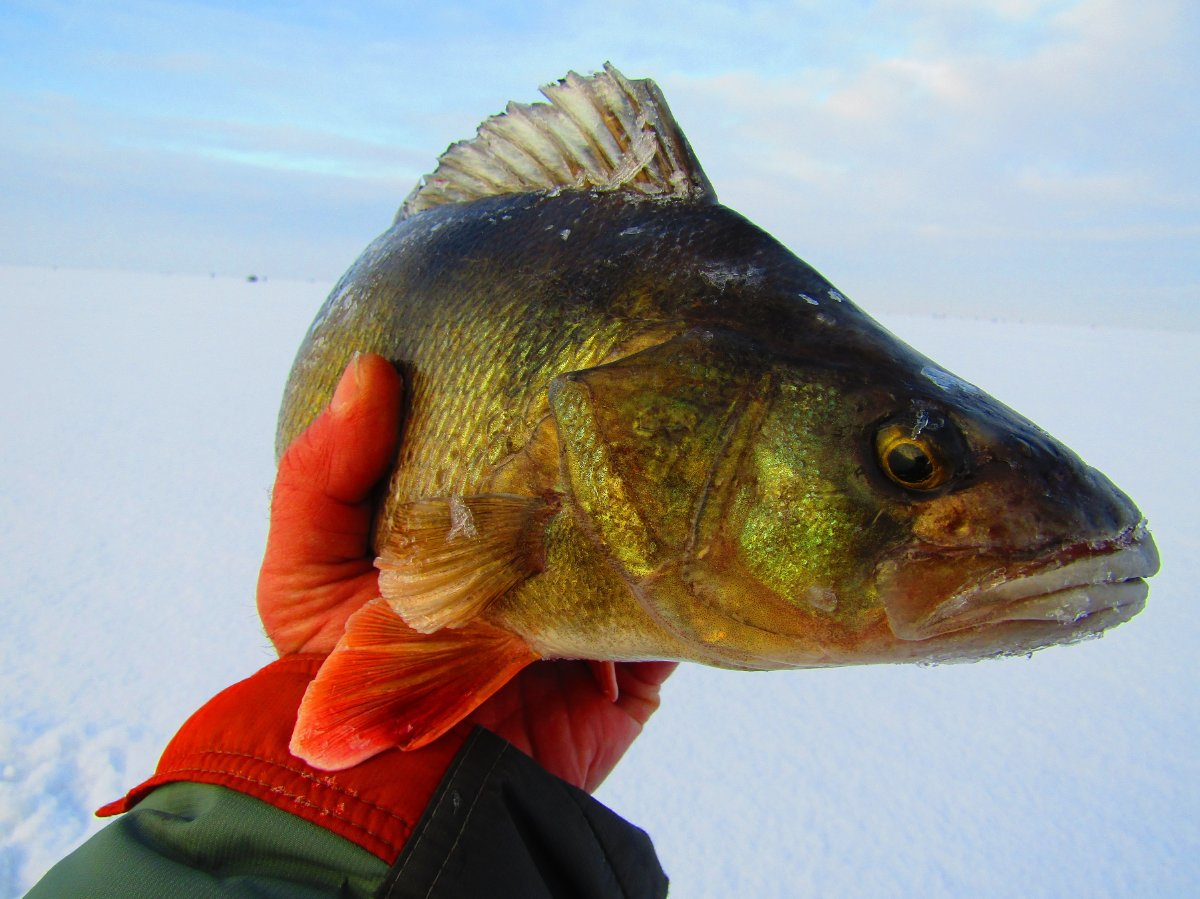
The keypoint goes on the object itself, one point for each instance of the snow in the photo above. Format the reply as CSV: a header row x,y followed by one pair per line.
x,y
137,452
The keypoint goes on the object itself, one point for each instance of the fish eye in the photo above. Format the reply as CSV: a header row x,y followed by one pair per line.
x,y
915,462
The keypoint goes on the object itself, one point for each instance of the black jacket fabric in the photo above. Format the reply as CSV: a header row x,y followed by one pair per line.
x,y
500,826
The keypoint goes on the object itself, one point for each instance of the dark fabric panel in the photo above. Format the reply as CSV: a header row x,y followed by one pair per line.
x,y
500,826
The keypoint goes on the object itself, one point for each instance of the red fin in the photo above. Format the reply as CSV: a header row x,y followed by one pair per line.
x,y
605,674
386,685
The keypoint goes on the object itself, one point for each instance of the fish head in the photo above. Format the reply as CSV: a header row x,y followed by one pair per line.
x,y
921,519
1012,542
780,512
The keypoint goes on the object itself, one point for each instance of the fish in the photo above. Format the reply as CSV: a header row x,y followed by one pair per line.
x,y
638,427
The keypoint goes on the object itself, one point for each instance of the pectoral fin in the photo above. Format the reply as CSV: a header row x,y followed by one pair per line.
x,y
446,559
385,685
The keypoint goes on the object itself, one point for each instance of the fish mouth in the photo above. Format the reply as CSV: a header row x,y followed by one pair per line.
x,y
1060,596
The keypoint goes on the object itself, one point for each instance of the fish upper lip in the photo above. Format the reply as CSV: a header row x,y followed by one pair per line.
x,y
1128,556
1065,586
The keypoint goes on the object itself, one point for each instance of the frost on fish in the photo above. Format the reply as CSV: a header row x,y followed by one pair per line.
x,y
638,427
462,522
722,275
947,381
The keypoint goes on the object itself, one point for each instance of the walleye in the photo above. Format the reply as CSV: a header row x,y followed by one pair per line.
x,y
638,427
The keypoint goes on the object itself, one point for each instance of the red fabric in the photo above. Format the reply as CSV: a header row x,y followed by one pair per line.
x,y
239,739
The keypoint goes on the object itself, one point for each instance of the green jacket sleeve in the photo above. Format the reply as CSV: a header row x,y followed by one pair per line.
x,y
196,841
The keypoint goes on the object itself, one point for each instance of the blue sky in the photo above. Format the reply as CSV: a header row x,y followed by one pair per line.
x,y
967,155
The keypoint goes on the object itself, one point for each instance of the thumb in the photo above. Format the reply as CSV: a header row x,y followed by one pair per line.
x,y
319,508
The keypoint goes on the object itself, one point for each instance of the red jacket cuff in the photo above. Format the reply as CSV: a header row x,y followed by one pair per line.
x,y
239,739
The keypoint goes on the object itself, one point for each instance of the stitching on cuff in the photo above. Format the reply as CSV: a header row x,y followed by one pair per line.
x,y
299,800
325,781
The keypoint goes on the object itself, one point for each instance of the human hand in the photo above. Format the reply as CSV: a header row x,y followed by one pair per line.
x,y
319,569
558,713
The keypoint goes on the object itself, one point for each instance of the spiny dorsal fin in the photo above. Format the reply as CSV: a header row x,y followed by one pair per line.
x,y
602,132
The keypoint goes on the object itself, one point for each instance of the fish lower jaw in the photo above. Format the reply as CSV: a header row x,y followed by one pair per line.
x,y
1013,636
1074,604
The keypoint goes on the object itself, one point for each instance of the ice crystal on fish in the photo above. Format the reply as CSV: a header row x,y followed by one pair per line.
x,y
462,522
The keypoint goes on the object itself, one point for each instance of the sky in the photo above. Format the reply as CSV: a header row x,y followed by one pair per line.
x,y
996,158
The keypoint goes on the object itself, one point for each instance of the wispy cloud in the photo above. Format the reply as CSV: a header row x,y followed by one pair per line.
x,y
935,153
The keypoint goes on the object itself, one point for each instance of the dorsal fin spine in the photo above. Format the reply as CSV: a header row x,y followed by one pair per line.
x,y
497,152
517,159
582,105
602,132
587,143
474,175
542,147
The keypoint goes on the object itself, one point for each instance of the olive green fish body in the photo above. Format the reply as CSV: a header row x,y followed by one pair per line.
x,y
483,306
489,306
638,427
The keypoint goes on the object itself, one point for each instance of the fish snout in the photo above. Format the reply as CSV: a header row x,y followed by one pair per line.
x,y
1104,508
1036,540
1064,479
1060,499
1020,491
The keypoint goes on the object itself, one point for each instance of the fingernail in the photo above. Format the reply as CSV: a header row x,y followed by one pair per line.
x,y
347,388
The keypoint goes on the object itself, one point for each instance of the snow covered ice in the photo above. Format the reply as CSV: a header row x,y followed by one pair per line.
x,y
138,457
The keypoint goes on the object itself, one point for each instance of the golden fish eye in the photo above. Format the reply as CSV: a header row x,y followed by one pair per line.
x,y
912,462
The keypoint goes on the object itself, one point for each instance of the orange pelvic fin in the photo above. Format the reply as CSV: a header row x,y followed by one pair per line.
x,y
447,559
385,685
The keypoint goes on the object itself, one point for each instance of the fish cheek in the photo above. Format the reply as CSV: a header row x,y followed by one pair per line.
x,y
800,515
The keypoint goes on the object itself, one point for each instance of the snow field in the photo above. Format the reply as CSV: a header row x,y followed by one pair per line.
x,y
138,455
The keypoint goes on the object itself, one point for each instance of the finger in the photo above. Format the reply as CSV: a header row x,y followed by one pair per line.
x,y
641,683
320,509
365,418
649,674
349,446
605,674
